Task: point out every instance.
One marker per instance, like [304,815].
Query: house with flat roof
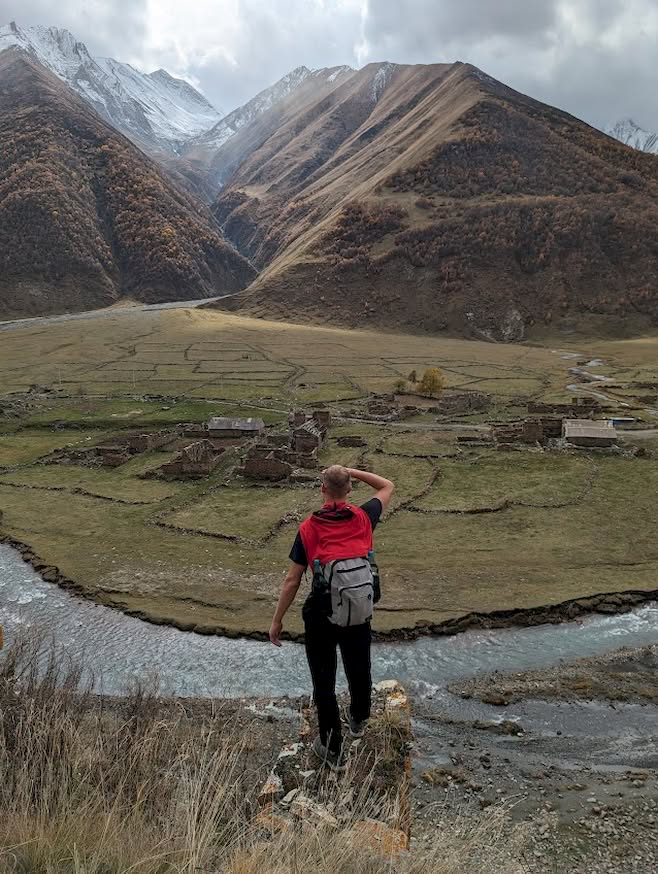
[220,427]
[588,432]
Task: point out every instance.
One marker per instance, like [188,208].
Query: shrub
[357,228]
[432,383]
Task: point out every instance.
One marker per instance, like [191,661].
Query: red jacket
[338,530]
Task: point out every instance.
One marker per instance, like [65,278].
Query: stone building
[527,431]
[221,427]
[196,460]
[282,455]
[117,450]
[262,463]
[320,419]
[307,438]
[589,433]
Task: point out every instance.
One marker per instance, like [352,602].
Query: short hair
[336,480]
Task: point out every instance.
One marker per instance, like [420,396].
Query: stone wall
[350,440]
[527,431]
[196,460]
[138,443]
[464,402]
[266,468]
[580,408]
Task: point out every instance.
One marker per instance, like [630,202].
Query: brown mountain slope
[434,197]
[85,217]
[214,156]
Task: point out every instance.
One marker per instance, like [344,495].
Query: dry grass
[100,787]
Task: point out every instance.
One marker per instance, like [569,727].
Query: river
[119,649]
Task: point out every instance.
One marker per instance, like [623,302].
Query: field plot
[413,476]
[470,529]
[99,482]
[216,355]
[489,480]
[248,514]
[435,444]
[27,446]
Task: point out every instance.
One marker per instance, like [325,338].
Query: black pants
[321,640]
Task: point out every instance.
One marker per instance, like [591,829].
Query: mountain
[85,217]
[215,154]
[432,197]
[154,110]
[626,131]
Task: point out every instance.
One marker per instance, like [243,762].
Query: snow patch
[631,134]
[381,80]
[155,109]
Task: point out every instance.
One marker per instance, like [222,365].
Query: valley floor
[472,530]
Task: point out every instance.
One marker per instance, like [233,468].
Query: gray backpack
[347,588]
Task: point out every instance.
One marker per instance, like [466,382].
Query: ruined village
[292,455]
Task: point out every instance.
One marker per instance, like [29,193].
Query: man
[339,530]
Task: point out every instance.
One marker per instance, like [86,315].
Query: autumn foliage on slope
[494,215]
[85,217]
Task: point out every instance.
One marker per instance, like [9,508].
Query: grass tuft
[98,786]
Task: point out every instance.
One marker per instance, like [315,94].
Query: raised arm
[384,488]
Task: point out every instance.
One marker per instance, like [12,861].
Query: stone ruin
[115,451]
[196,460]
[210,441]
[267,462]
[527,431]
[383,408]
[545,422]
[579,408]
[199,446]
[286,456]
[462,402]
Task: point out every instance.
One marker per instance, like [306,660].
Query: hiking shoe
[334,761]
[357,729]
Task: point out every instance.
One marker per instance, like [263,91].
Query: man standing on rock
[336,543]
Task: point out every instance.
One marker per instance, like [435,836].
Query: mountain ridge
[157,112]
[85,217]
[217,153]
[450,202]
[631,134]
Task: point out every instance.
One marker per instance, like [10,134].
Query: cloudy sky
[595,58]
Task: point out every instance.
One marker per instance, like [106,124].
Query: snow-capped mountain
[155,110]
[630,133]
[243,115]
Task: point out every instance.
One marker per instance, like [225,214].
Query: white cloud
[595,58]
[233,48]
